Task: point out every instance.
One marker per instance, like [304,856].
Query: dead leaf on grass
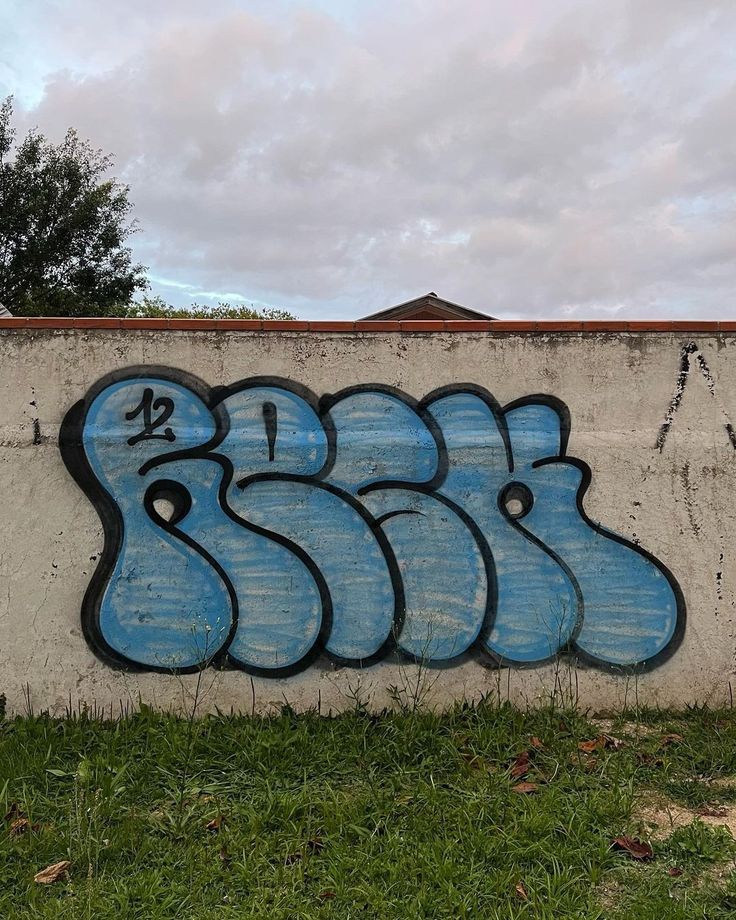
[326,895]
[521,892]
[52,873]
[315,845]
[707,811]
[525,788]
[587,747]
[612,742]
[520,767]
[21,826]
[537,743]
[635,848]
[215,824]
[599,743]
[15,811]
[672,738]
[674,871]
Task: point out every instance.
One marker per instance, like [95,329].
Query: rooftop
[429,306]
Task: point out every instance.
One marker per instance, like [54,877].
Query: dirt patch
[658,817]
[635,729]
[609,894]
[723,782]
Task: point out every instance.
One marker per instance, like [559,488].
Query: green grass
[403,815]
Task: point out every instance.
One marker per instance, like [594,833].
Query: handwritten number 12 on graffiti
[147,403]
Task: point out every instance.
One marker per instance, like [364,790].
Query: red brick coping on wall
[256,325]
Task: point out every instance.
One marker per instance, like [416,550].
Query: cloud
[534,158]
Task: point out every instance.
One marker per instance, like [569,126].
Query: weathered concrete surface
[676,498]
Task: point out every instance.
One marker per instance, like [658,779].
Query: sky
[571,159]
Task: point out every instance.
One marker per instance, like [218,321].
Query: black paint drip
[269,419]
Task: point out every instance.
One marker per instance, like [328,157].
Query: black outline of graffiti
[77,463]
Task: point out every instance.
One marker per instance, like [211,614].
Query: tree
[155,307]
[63,227]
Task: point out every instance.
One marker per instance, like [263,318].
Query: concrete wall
[272,503]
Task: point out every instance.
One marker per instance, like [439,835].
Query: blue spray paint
[537,606]
[164,606]
[255,526]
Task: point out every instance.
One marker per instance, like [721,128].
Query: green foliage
[402,815]
[63,227]
[157,308]
[699,843]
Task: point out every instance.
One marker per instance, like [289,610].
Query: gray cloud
[530,158]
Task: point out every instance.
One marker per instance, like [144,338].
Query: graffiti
[691,356]
[258,527]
